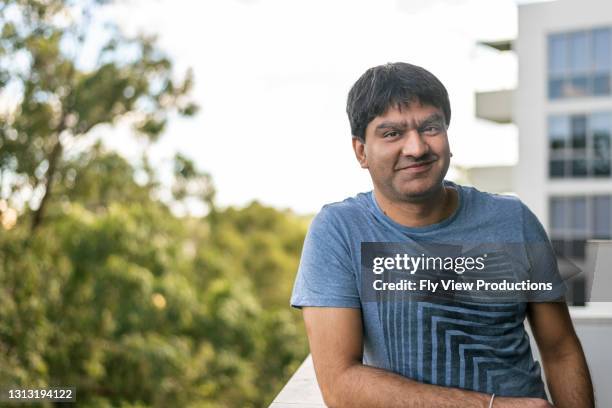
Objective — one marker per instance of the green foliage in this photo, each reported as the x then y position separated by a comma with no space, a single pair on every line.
107,289
115,301
263,244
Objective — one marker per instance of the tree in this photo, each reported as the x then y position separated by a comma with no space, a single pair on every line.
135,306
60,99
114,293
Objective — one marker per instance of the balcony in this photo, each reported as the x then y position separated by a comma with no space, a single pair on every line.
492,179
495,106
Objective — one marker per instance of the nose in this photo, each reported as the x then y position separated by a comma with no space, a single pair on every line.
414,145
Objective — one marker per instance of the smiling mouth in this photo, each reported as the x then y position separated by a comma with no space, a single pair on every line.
418,166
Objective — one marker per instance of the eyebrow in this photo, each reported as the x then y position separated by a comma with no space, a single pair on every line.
434,118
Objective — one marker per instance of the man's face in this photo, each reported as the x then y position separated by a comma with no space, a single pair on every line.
406,152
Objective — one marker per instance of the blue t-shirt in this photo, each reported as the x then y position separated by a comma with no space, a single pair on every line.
480,346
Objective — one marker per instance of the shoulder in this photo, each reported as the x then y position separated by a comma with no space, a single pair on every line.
491,200
344,212
339,221
483,204
508,212
504,211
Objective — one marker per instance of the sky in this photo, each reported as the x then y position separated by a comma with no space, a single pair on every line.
272,76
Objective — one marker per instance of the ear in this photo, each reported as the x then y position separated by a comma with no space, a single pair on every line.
360,153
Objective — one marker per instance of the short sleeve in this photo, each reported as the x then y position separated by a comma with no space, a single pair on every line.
325,275
541,258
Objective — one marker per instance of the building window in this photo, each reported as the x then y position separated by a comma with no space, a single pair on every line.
575,219
579,63
580,145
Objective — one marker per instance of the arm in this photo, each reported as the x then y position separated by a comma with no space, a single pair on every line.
335,336
567,373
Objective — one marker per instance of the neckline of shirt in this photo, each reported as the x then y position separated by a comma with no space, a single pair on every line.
427,228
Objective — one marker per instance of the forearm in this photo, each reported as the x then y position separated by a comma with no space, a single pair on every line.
364,386
568,378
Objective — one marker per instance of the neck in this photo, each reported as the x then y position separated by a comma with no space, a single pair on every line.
430,210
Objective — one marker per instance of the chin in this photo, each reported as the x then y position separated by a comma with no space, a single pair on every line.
417,193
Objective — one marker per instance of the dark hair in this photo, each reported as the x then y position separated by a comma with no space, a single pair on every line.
397,84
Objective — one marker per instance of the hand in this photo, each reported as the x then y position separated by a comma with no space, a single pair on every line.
503,402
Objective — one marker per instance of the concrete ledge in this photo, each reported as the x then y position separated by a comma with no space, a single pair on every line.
302,390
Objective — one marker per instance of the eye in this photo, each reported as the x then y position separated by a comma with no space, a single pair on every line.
392,133
431,130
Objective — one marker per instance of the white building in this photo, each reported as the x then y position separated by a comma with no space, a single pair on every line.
563,110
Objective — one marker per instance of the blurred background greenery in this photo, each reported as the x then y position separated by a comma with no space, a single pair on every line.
103,285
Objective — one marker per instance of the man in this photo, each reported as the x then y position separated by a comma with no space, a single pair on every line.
426,352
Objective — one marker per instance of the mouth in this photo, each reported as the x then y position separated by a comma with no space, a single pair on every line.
418,167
